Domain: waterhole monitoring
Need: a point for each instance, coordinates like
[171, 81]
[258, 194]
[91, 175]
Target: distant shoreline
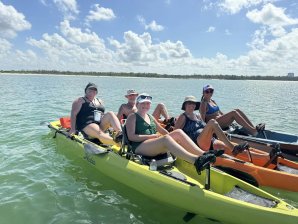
[150, 75]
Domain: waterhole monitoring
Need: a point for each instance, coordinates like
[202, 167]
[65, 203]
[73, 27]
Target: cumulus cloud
[273, 17]
[210, 29]
[11, 21]
[277, 55]
[151, 26]
[5, 47]
[100, 13]
[69, 8]
[77, 36]
[234, 6]
[139, 49]
[74, 47]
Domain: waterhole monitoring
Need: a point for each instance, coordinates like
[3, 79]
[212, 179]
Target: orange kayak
[256, 170]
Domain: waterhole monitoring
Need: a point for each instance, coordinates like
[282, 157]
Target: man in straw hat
[130, 107]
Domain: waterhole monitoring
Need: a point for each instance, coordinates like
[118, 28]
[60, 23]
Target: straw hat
[131, 92]
[190, 99]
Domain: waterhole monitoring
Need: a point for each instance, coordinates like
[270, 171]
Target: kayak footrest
[287, 169]
[243, 195]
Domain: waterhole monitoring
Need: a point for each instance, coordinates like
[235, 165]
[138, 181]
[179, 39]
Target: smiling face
[190, 107]
[143, 107]
[91, 93]
[208, 93]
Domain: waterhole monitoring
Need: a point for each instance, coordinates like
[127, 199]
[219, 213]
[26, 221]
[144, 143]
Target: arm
[159, 128]
[180, 122]
[203, 110]
[131, 129]
[120, 112]
[76, 107]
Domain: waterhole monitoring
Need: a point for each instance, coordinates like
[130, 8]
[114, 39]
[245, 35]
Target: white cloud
[5, 47]
[11, 21]
[77, 36]
[210, 29]
[273, 17]
[69, 8]
[154, 26]
[151, 26]
[139, 49]
[276, 56]
[100, 13]
[75, 47]
[234, 6]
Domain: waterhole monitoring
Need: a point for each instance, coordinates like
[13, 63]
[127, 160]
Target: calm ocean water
[39, 184]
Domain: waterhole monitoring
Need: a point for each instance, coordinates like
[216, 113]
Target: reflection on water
[40, 184]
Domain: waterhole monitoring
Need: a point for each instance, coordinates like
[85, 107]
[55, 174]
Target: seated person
[203, 134]
[130, 107]
[210, 110]
[88, 117]
[149, 138]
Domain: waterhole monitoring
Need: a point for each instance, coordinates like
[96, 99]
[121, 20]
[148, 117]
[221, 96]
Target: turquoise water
[40, 184]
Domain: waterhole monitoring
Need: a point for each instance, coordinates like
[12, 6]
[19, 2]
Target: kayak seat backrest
[65, 122]
[126, 148]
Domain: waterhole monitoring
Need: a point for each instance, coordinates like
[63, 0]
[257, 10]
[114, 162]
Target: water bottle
[153, 165]
[80, 135]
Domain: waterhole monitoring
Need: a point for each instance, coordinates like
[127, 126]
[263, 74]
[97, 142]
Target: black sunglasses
[209, 91]
[143, 97]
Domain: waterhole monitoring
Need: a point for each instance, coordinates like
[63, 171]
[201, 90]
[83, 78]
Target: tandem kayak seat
[126, 149]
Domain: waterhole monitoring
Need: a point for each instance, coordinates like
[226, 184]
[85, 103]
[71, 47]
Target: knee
[167, 139]
[178, 133]
[110, 113]
[160, 106]
[212, 122]
[235, 112]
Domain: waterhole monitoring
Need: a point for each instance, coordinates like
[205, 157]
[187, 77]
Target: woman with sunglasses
[88, 117]
[130, 107]
[149, 138]
[210, 110]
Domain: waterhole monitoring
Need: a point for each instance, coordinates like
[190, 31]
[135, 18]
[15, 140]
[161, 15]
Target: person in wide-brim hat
[190, 99]
[201, 133]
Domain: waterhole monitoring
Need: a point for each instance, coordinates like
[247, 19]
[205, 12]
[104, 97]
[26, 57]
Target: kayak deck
[189, 194]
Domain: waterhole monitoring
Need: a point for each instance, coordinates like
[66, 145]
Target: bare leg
[227, 119]
[204, 140]
[94, 131]
[110, 120]
[153, 147]
[182, 139]
[245, 117]
[160, 110]
[212, 127]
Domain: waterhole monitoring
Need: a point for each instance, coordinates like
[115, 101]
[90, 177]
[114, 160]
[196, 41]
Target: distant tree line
[153, 75]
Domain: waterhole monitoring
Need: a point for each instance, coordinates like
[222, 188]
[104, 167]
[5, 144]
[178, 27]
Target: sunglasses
[143, 97]
[209, 91]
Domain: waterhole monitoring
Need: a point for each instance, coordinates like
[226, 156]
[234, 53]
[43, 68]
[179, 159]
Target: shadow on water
[113, 202]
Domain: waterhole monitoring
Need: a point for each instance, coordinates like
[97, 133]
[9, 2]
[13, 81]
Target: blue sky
[239, 37]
